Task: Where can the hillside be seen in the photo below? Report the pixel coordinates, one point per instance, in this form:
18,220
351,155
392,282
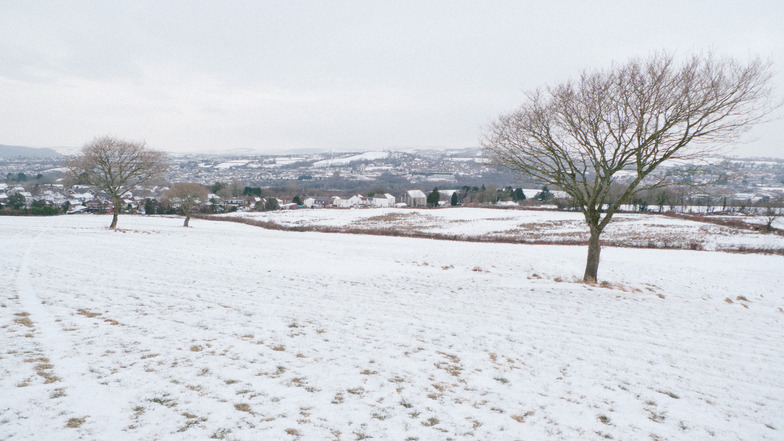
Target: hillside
235,332
11,151
537,226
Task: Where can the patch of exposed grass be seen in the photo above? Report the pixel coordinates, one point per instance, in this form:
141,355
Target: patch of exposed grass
163,401
23,318
192,421
430,422
242,407
220,434
74,423
669,394
59,392
88,313
452,365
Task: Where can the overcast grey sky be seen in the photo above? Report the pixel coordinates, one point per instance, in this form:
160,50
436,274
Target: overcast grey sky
343,75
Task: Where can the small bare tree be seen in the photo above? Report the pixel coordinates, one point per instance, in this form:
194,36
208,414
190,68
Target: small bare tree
186,197
579,135
772,210
116,166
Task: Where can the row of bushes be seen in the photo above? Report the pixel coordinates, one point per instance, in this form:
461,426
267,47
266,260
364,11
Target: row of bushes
32,211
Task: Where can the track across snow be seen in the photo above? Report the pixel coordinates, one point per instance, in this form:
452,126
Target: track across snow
229,331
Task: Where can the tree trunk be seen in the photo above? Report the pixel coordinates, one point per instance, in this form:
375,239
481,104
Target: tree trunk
592,264
115,213
187,219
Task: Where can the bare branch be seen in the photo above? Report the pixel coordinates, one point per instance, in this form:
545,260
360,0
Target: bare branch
116,166
631,119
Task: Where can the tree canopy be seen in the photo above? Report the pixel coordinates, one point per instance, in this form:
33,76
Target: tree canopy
116,166
580,135
186,196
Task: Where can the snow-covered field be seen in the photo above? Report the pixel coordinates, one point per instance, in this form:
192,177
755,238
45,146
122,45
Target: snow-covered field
533,226
230,331
367,156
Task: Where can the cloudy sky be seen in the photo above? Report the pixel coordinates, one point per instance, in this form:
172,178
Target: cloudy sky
342,75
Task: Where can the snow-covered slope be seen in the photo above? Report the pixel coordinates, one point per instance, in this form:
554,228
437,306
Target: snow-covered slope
229,331
366,156
626,229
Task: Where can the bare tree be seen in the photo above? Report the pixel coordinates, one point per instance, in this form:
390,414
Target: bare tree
579,135
186,196
772,211
236,186
116,166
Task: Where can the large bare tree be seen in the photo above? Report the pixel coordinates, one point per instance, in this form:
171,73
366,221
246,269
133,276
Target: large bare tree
186,196
631,118
116,166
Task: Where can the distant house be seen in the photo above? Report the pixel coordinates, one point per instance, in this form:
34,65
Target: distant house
98,206
448,177
446,195
83,196
316,202
414,198
354,201
382,200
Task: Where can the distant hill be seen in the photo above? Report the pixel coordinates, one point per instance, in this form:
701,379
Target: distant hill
11,151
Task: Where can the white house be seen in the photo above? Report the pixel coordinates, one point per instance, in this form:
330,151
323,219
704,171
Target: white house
382,200
354,201
414,198
316,202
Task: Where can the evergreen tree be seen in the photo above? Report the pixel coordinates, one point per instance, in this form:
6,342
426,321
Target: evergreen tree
150,206
454,201
16,201
251,191
545,194
271,204
433,198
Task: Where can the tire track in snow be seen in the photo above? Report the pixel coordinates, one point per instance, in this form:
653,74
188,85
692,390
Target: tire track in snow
85,397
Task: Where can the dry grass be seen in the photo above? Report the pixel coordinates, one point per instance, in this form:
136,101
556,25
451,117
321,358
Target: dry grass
521,418
88,313
452,365
74,423
23,318
242,407
552,238
430,422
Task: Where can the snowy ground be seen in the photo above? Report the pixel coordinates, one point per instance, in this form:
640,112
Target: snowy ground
230,331
646,230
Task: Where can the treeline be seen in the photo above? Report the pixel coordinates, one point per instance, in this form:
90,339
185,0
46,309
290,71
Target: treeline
16,205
